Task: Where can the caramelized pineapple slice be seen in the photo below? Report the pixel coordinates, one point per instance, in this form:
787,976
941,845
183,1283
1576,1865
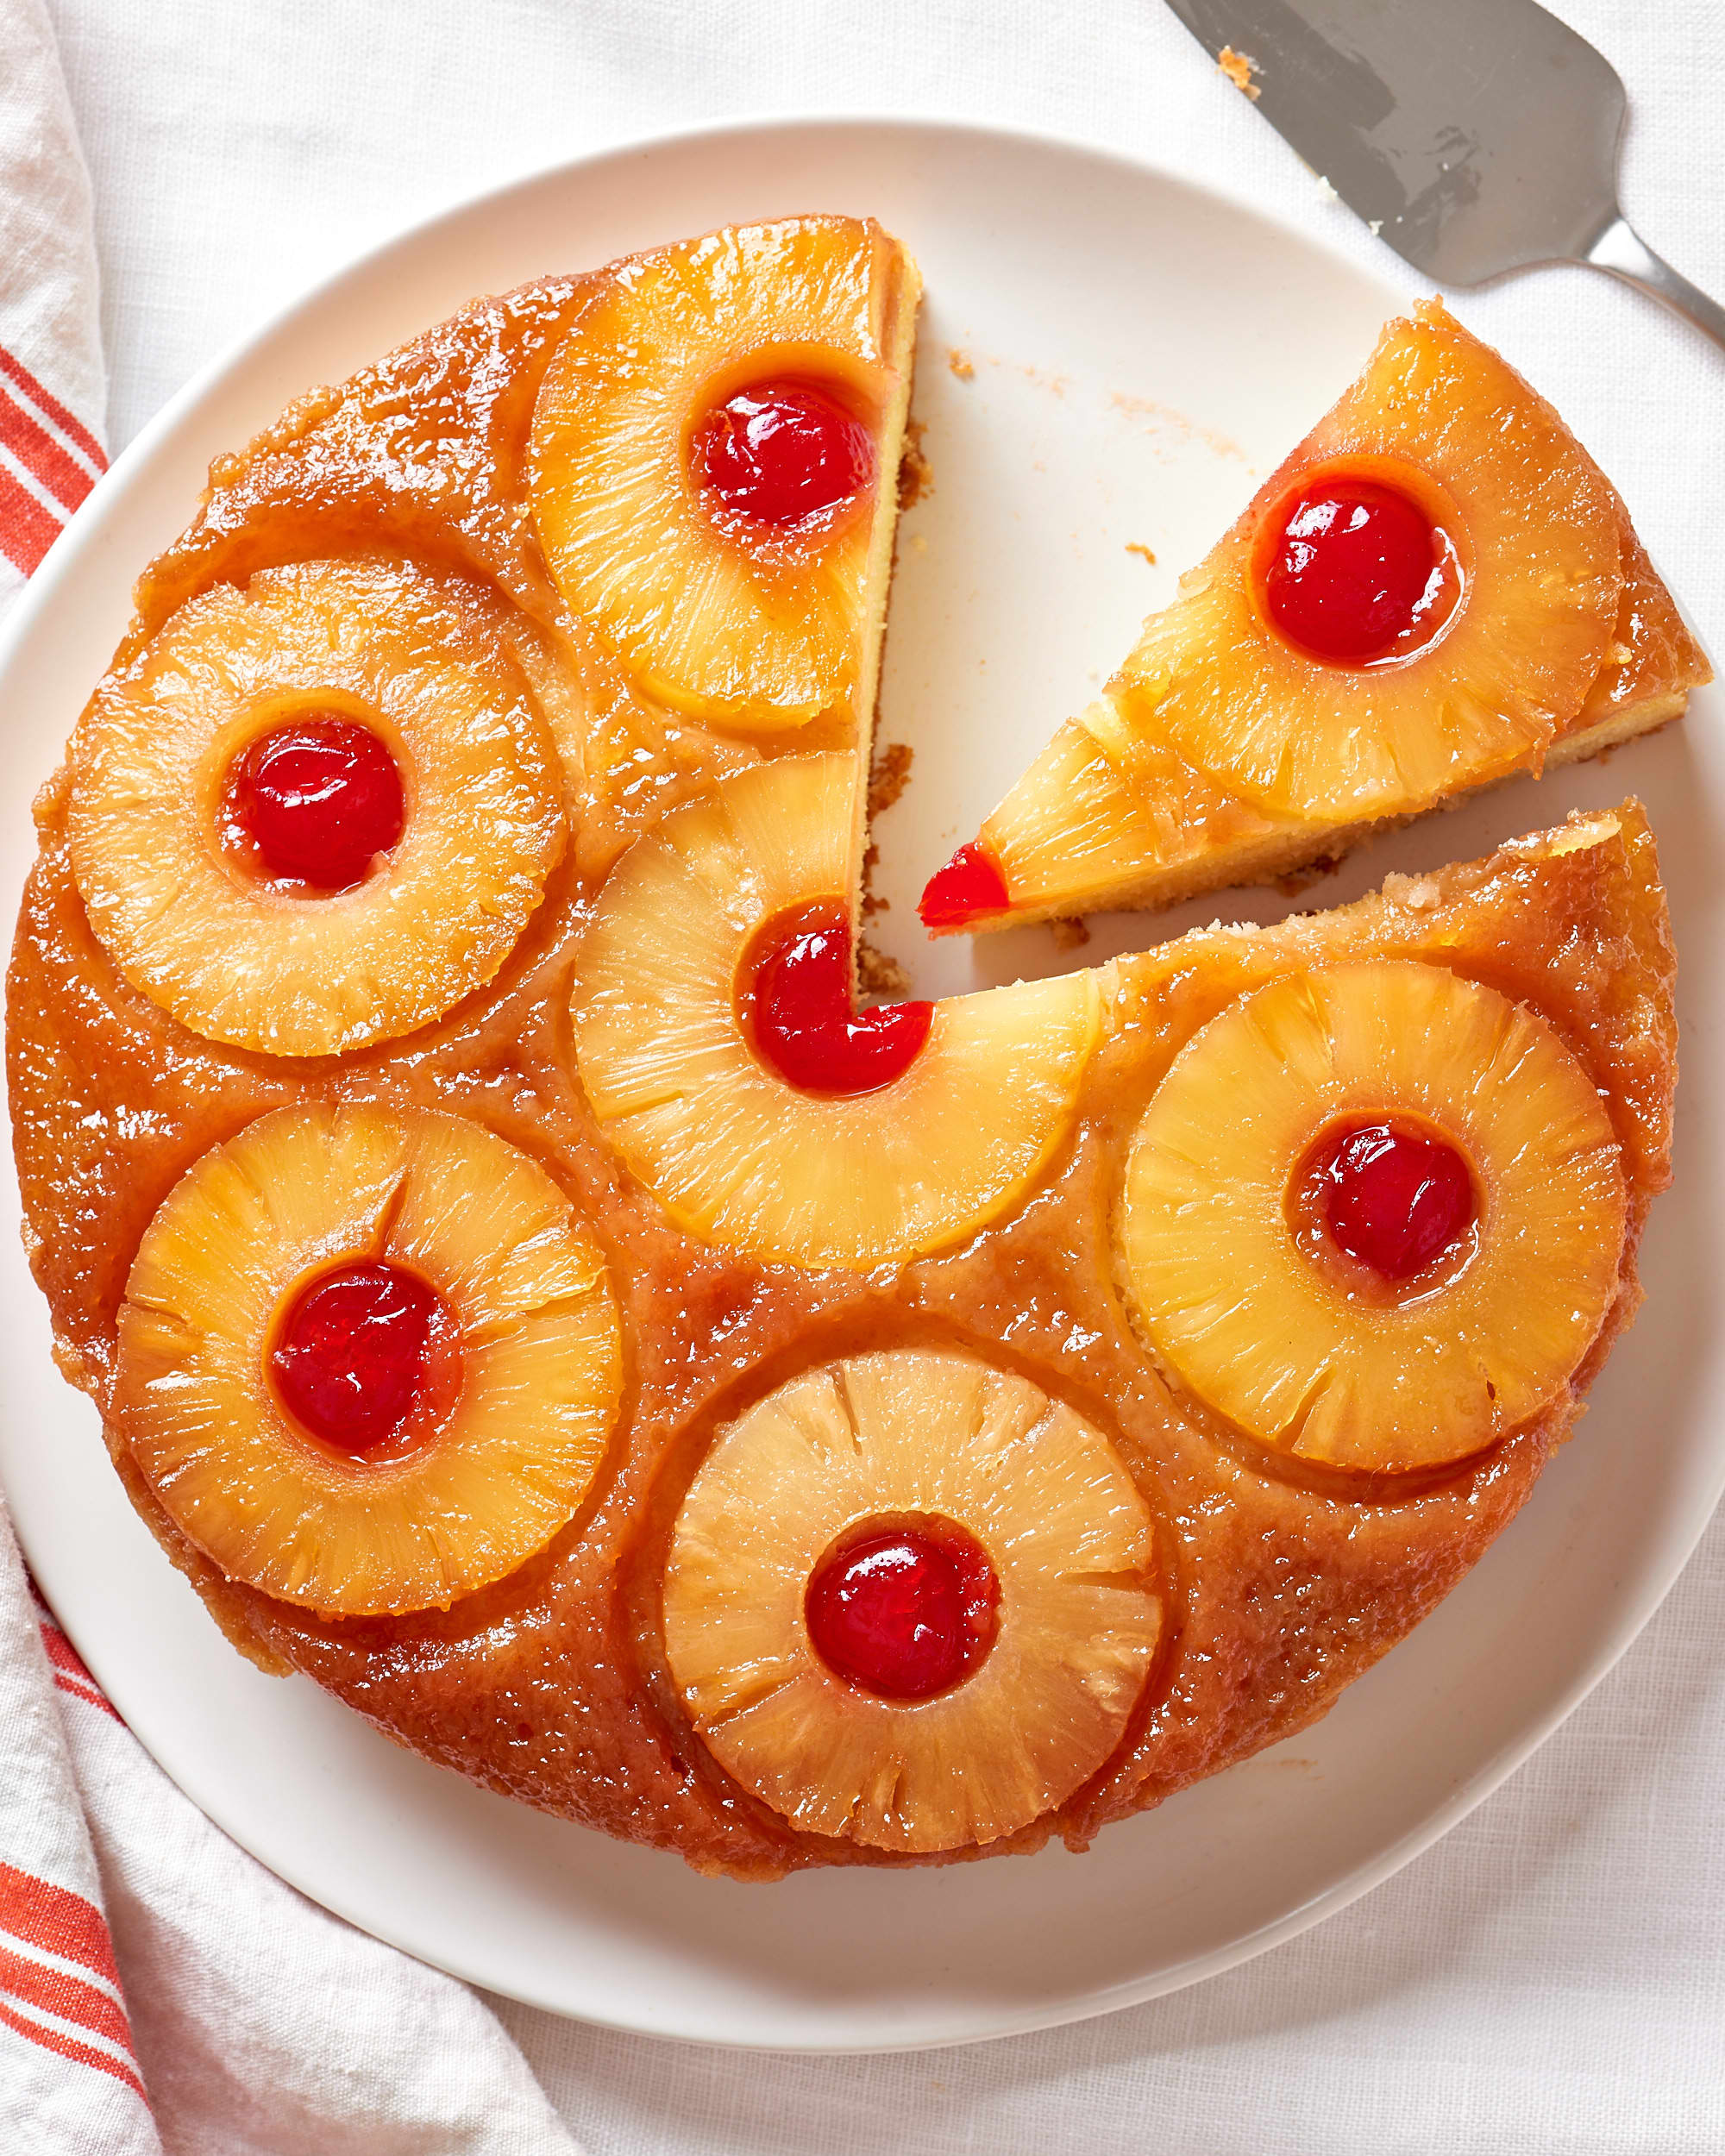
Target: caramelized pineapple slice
918,1441
1074,833
297,1487
734,619
1440,414
418,671
732,1150
1240,1283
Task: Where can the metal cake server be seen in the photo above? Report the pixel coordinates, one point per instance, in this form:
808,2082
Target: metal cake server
1474,136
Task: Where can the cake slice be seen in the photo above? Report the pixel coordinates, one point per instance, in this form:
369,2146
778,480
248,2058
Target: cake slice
1437,589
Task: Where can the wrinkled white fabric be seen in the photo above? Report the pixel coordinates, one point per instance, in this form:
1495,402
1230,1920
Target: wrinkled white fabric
162,1995
47,247
266,2027
1550,1980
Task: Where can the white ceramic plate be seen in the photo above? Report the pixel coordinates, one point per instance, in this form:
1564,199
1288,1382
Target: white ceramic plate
1142,352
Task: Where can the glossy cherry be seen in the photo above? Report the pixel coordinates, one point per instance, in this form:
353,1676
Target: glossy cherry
904,1611
352,1358
969,886
320,799
1395,1198
1357,567
782,453
796,1005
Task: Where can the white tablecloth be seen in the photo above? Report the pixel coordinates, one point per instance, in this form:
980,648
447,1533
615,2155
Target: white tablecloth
1551,1978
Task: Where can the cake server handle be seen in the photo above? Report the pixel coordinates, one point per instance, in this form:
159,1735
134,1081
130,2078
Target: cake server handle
1620,250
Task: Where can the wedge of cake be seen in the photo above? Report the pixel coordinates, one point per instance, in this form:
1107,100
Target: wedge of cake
1439,587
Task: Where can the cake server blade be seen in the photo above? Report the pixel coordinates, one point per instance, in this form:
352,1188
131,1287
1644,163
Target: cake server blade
1474,136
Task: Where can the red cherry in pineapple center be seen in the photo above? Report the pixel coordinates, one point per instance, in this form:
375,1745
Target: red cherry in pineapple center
1395,1198
782,453
1356,567
320,799
353,1359
904,1611
795,1007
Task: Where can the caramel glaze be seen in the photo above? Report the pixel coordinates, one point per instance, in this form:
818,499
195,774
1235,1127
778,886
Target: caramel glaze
1285,1581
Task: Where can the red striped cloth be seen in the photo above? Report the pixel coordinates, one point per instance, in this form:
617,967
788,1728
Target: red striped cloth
159,1990
69,2071
49,461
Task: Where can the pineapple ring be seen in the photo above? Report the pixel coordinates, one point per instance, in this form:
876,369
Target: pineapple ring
420,663
1068,1533
730,1150
296,1192
1275,1341
753,636
1444,418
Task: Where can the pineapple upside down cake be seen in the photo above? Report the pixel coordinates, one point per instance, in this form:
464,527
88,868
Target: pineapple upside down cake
525,1293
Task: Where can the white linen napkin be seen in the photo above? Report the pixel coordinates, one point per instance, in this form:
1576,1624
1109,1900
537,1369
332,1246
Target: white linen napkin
160,1993
53,387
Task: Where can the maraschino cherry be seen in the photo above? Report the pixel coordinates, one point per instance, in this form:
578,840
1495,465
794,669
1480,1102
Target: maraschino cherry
1356,567
904,1611
795,1006
352,1358
782,453
1395,1198
969,886
320,799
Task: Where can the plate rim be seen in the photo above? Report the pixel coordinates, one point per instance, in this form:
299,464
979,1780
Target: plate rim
84,529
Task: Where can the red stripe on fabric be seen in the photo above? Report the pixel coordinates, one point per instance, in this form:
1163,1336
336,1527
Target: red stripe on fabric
33,1983
42,456
16,372
69,1673
62,1922
61,1652
26,529
89,1693
64,2046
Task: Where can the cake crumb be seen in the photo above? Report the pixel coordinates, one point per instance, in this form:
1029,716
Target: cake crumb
1375,226
877,975
916,475
868,905
1326,192
959,363
1134,545
890,776
1069,934
1239,68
